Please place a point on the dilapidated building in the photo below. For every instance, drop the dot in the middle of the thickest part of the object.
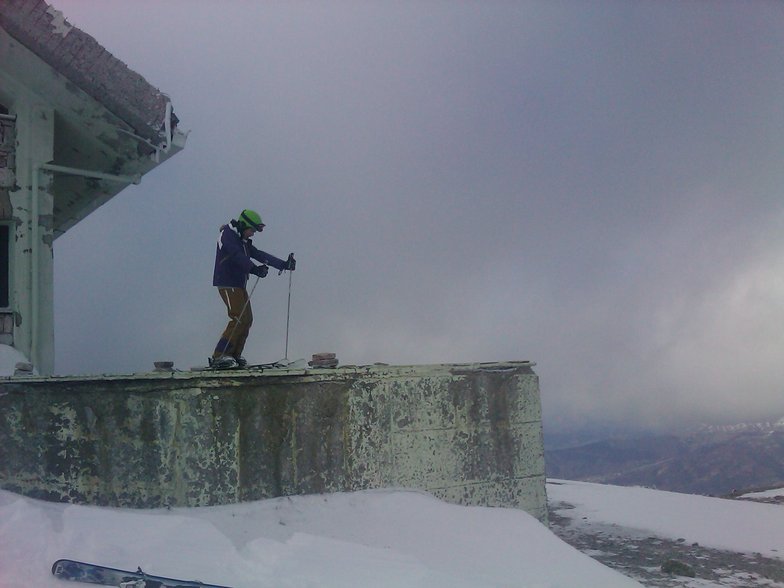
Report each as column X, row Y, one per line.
column 76, row 128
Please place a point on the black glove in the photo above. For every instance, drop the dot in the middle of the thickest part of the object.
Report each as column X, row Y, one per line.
column 291, row 263
column 260, row 270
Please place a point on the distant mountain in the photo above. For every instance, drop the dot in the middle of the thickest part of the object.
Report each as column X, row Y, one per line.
column 711, row 460
column 763, row 427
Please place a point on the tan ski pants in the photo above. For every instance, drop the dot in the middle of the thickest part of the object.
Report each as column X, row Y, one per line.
column 232, row 341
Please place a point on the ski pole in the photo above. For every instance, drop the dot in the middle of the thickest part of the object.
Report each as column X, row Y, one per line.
column 288, row 314
column 288, row 309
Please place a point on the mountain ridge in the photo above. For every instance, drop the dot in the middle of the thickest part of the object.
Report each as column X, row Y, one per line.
column 709, row 460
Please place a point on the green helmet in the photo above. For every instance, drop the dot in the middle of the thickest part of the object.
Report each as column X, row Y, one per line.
column 250, row 219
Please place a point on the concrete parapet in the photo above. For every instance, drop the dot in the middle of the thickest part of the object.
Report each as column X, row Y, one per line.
column 470, row 434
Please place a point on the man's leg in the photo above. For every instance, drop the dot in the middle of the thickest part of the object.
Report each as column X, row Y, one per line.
column 236, row 332
column 243, row 329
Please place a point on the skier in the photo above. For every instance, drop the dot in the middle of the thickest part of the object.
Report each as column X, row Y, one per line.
column 232, row 267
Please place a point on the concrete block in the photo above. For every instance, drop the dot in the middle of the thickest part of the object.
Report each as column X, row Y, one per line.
column 468, row 434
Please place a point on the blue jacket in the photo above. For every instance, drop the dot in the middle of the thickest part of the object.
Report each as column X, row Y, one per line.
column 233, row 259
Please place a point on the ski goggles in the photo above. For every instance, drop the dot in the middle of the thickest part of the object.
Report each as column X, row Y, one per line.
column 251, row 224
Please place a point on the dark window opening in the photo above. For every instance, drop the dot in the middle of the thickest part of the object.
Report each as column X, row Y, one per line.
column 5, row 266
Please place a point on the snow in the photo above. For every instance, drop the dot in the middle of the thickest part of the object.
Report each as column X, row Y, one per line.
column 9, row 357
column 774, row 493
column 739, row 526
column 379, row 538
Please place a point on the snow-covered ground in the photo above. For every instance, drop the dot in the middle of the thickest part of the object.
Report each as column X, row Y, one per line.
column 774, row 493
column 731, row 525
column 9, row 357
column 372, row 538
column 707, row 542
column 380, row 538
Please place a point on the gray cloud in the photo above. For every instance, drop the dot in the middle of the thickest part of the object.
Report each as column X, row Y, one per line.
column 595, row 186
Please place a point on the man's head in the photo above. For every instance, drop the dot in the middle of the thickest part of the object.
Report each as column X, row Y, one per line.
column 249, row 219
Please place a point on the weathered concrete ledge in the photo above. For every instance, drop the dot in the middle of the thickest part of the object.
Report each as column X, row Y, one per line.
column 469, row 433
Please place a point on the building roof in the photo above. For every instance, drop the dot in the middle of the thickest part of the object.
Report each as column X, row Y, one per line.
column 108, row 118
column 77, row 56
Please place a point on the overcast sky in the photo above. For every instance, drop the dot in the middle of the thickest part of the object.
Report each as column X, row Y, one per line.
column 596, row 186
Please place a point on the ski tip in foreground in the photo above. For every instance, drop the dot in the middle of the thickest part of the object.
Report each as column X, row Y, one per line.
column 78, row 571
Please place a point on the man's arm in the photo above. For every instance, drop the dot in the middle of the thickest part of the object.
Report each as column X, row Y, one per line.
column 264, row 257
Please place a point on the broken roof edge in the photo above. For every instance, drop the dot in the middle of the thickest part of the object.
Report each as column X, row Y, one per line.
column 371, row 370
column 82, row 60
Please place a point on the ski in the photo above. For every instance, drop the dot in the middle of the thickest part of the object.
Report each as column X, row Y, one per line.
column 78, row 571
column 263, row 366
column 257, row 367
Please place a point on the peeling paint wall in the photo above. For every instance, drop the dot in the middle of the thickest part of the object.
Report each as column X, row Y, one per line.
column 7, row 184
column 26, row 206
column 470, row 434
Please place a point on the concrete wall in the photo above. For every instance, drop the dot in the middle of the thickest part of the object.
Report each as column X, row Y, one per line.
column 470, row 434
